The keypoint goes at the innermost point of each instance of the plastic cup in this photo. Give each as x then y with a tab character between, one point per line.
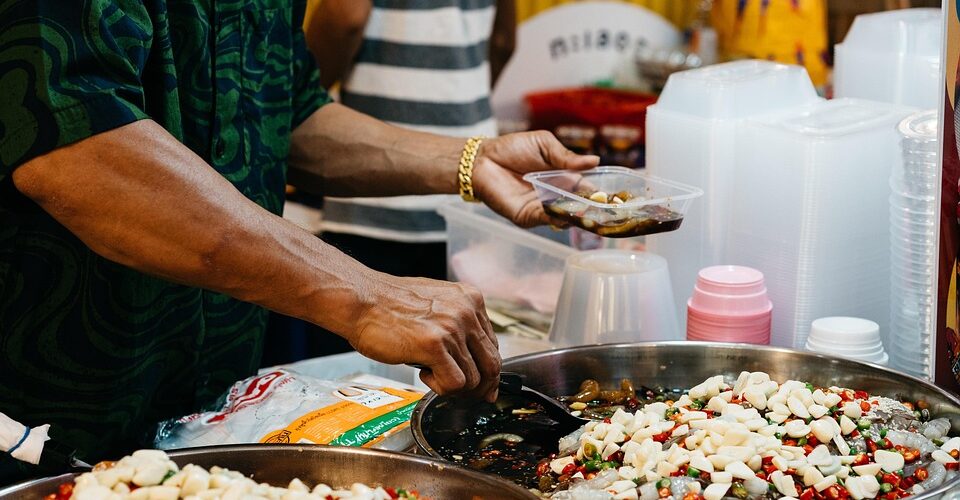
614	296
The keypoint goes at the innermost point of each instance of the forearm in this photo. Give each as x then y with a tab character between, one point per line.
334	36
157	207
341	152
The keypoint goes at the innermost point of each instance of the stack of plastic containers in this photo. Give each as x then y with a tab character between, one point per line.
691	138
892	57
913	245
810	185
729	304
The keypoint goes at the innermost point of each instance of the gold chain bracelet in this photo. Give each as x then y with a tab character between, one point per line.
465	171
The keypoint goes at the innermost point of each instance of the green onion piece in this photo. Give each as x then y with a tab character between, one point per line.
693	472
663	483
739	490
778	435
810	387
886	487
802	441
883	432
863	424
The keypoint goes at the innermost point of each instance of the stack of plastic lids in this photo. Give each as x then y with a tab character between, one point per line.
892	57
691	137
913	245
810	184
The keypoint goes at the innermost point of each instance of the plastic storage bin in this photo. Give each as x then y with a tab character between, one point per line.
810	211
691	138
518	271
892	57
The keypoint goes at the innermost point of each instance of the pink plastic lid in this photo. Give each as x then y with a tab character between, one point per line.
730	280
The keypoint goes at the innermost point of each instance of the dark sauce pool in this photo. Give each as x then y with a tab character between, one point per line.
638	222
518	461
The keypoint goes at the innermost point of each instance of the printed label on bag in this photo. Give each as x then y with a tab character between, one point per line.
364	417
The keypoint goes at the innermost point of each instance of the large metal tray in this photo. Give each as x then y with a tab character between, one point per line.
437	419
336	466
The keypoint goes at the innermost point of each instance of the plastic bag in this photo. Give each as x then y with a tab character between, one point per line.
283	406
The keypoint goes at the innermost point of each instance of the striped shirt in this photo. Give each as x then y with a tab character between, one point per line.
422	65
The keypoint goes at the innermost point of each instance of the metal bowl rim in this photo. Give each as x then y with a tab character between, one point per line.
434	464
416	418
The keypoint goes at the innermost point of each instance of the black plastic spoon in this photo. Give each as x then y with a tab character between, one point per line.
512	383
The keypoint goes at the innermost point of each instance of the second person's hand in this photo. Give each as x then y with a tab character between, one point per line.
440	325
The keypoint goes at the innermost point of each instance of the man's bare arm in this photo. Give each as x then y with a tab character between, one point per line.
137	196
334	35
341	152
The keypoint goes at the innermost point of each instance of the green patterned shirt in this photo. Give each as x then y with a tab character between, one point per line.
100	351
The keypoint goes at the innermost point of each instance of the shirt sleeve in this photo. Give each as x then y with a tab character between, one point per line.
67	73
309	95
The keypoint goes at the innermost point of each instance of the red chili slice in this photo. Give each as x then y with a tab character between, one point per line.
891	478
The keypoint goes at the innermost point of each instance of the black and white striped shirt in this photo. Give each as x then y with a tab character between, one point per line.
422	65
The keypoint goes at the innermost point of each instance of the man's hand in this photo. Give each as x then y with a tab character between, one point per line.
437	324
502	162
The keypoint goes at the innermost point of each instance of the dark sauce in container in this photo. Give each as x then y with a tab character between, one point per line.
616	223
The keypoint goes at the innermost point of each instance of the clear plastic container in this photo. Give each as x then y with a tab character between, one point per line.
821	173
892	57
736	89
615	296
691	138
643	204
518	271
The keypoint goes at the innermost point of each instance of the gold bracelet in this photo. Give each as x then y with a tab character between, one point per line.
465	172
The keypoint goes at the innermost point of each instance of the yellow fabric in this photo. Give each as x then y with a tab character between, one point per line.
788	31
679	12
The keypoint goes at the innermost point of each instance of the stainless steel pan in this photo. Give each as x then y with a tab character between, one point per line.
676	365
336	466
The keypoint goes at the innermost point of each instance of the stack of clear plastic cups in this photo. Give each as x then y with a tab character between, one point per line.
913	245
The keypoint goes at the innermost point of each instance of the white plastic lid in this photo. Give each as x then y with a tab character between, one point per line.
736	89
837	117
906	31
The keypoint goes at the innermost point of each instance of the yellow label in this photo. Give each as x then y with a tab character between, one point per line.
359	420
